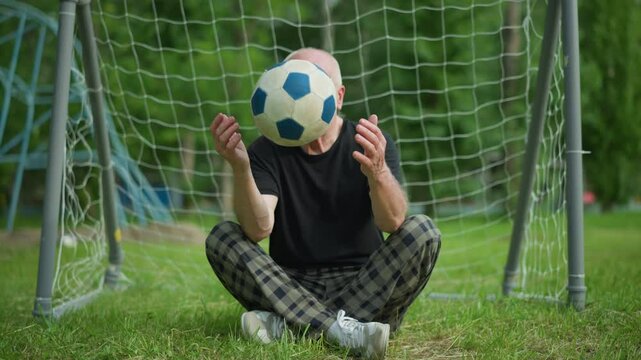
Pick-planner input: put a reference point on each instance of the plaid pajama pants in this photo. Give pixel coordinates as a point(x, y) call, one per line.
point(381, 290)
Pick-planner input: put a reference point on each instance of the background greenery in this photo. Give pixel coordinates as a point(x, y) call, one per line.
point(173, 112)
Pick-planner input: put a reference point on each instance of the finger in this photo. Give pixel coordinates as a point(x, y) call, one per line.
point(224, 137)
point(369, 148)
point(225, 124)
point(373, 128)
point(373, 135)
point(362, 159)
point(234, 140)
point(373, 119)
point(216, 123)
point(368, 134)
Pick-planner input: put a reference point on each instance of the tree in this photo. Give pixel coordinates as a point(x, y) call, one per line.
point(610, 55)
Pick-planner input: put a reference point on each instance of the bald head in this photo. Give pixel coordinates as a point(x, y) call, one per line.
point(321, 58)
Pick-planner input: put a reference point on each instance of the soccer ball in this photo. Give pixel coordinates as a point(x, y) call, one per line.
point(293, 103)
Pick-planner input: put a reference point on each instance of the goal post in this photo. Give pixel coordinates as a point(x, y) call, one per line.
point(574, 155)
point(53, 190)
point(534, 135)
point(150, 88)
point(553, 20)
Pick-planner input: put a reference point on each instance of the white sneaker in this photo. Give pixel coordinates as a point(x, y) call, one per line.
point(368, 339)
point(263, 326)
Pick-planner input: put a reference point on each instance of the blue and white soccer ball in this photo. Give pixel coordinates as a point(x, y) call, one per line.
point(293, 103)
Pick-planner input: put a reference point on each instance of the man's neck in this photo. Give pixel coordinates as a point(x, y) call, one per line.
point(325, 142)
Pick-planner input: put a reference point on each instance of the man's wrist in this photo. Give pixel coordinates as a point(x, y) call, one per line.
point(379, 177)
point(240, 169)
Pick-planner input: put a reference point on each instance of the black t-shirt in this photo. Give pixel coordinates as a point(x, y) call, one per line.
point(324, 212)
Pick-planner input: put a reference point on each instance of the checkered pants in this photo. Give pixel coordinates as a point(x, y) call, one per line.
point(381, 290)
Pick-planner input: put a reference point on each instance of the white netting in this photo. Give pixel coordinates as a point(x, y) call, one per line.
point(451, 81)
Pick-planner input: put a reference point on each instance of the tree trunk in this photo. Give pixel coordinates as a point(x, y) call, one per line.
point(511, 44)
point(228, 191)
point(328, 30)
point(510, 62)
point(188, 159)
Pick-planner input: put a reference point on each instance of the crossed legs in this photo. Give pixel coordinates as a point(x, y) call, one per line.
point(380, 291)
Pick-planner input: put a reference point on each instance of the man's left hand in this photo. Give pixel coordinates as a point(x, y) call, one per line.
point(370, 137)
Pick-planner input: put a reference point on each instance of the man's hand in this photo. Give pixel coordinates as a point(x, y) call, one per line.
point(255, 212)
point(388, 200)
point(370, 137)
point(228, 141)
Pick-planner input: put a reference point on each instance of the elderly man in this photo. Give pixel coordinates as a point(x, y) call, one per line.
point(324, 207)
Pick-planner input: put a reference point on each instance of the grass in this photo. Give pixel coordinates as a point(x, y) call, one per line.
point(174, 312)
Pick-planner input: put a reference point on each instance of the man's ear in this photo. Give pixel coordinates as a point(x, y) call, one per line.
point(340, 95)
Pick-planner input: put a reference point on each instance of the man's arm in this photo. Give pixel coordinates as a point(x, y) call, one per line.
point(389, 205)
point(388, 201)
point(255, 212)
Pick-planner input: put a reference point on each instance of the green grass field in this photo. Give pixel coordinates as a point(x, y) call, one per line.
point(185, 313)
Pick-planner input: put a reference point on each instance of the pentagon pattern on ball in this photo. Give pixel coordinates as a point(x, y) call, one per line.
point(297, 85)
point(293, 102)
point(329, 108)
point(258, 101)
point(289, 129)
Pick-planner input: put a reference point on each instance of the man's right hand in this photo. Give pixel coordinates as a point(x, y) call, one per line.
point(228, 141)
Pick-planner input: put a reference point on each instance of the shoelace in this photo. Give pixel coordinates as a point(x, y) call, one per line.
point(349, 326)
point(277, 324)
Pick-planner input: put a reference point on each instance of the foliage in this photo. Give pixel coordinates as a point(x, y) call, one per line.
point(166, 77)
point(449, 113)
point(610, 58)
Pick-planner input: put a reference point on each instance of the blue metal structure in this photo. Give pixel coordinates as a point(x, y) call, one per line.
point(25, 91)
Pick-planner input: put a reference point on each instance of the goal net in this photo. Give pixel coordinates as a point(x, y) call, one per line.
point(451, 81)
